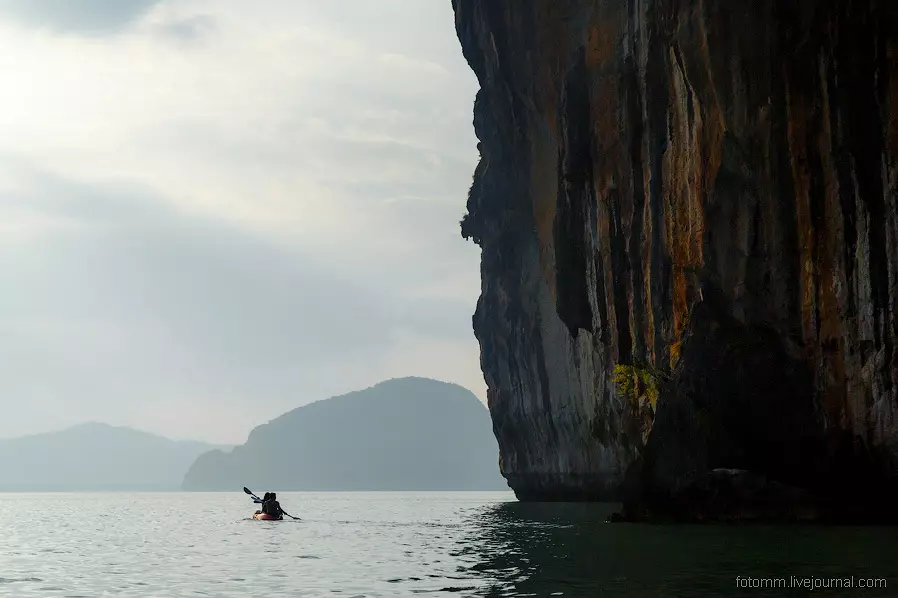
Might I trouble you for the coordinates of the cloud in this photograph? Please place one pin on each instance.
(189, 29)
(78, 16)
(222, 290)
(233, 208)
(115, 286)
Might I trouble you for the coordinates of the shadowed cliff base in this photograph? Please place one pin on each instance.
(687, 212)
(737, 437)
(564, 488)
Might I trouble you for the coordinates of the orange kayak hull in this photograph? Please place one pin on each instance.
(266, 517)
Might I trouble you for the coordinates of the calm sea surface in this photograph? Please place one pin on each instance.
(402, 544)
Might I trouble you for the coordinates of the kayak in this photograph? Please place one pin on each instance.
(266, 517)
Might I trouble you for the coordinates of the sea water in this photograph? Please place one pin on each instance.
(406, 544)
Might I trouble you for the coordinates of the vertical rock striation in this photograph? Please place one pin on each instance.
(694, 201)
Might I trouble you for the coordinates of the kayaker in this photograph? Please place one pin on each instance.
(271, 506)
(263, 501)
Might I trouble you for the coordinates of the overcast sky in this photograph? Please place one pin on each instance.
(214, 211)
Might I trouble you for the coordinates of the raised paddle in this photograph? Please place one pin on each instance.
(250, 492)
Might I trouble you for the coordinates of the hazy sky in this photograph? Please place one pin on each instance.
(213, 211)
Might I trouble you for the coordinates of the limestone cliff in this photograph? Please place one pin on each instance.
(687, 211)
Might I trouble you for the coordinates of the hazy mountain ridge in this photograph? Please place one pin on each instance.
(401, 434)
(96, 457)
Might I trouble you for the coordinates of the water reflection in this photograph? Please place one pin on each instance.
(568, 550)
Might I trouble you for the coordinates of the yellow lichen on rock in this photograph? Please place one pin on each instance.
(638, 384)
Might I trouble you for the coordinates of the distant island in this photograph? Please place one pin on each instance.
(402, 434)
(95, 457)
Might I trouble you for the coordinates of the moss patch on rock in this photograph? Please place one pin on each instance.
(639, 384)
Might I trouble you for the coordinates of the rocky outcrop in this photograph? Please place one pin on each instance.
(687, 211)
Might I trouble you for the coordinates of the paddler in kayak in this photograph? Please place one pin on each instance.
(271, 506)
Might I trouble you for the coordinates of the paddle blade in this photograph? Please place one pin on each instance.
(248, 491)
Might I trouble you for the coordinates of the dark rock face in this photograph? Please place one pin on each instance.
(704, 191)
